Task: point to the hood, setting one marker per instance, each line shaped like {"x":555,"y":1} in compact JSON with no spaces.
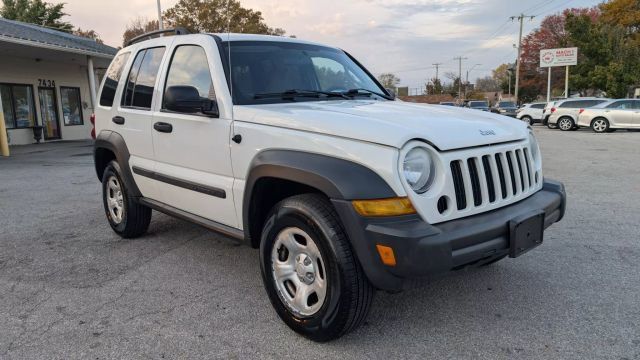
{"x":391,"y":123}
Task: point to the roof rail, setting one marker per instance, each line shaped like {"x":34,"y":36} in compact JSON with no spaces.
{"x":176,"y":31}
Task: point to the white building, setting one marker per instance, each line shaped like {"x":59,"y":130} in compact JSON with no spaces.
{"x":48,"y":78}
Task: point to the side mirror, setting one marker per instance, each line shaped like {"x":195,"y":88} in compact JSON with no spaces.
{"x":391,"y":92}
{"x":186,"y":99}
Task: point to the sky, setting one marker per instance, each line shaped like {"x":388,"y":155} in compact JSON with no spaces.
{"x":404,"y":37}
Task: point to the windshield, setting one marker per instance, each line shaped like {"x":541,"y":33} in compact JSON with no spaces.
{"x":478,"y":104}
{"x":506,"y":104}
{"x":263,"y":70}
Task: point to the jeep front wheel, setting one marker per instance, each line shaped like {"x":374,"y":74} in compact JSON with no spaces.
{"x":311,"y":275}
{"x":127,"y":217}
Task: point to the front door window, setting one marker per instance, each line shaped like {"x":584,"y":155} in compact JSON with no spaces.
{"x":49,"y":110}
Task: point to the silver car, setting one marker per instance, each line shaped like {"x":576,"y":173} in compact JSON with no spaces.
{"x":611,"y":115}
{"x":564,"y":114}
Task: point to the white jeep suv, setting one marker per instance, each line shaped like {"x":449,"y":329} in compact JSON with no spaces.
{"x":294,"y":148}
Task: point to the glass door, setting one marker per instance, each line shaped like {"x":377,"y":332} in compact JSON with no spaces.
{"x":49,"y":110}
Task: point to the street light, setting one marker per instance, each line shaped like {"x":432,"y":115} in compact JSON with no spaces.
{"x":467,"y":81}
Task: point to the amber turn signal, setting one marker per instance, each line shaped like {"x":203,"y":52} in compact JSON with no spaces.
{"x":384,"y":207}
{"x":386,"y":255}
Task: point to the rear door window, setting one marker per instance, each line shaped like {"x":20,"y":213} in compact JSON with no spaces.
{"x":538,"y":106}
{"x":142,"y":78}
{"x":112,"y":78}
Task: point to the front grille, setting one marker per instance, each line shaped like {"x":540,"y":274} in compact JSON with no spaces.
{"x":489,"y":178}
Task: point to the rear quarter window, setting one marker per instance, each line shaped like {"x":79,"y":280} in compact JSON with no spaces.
{"x":112,"y":78}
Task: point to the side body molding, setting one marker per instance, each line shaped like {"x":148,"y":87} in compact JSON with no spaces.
{"x":337,"y":178}
{"x":112,"y":141}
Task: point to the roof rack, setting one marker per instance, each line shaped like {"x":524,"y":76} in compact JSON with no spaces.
{"x":176,"y":31}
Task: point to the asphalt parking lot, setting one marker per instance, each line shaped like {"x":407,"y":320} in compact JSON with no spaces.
{"x":71,"y":288}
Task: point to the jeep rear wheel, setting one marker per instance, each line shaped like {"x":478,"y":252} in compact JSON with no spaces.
{"x":310,"y":273}
{"x":127,"y":217}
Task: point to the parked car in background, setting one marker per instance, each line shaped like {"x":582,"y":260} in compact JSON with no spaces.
{"x":611,"y":115}
{"x":531,"y":113}
{"x":507,"y":108}
{"x":564,"y":114}
{"x":478,"y":105}
{"x":447,"y":103}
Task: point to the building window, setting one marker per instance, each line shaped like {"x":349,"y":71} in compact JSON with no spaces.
{"x":18,"y":105}
{"x":71,"y":106}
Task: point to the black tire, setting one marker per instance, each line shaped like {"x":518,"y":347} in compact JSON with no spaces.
{"x":528,"y":119}
{"x":135,"y":217}
{"x":545,"y":121}
{"x":600,"y":125}
{"x":348,"y":291}
{"x":566,"y":123}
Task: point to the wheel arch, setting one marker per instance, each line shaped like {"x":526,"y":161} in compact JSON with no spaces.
{"x":108,"y":146}
{"x":277,"y":174}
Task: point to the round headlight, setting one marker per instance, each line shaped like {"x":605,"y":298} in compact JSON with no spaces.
{"x":418,"y":169}
{"x":535,"y":148}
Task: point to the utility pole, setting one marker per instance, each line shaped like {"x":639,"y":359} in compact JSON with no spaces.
{"x":520,"y":18}
{"x":460,"y":58}
{"x":437,"y":65}
{"x":160,"y":26}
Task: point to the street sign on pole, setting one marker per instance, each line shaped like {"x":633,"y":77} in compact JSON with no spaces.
{"x":559,"y":57}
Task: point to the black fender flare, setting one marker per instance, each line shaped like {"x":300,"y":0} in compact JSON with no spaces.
{"x":115,"y":143}
{"x":338,"y":179}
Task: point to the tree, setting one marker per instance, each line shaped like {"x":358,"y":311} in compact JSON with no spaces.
{"x":90,"y":34}
{"x":486,"y":84}
{"x":36,"y":12}
{"x":388,"y":80}
{"x":551,"y":34}
{"x":501,"y":76}
{"x":624,"y":13}
{"x":138,"y":26}
{"x":609,"y":58}
{"x":218,"y":16}
{"x":433,"y":87}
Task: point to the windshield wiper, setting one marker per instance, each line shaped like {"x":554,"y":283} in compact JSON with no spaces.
{"x":365,"y":92}
{"x":293,"y":93}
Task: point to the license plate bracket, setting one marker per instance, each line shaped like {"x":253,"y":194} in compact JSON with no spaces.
{"x":526,"y":232}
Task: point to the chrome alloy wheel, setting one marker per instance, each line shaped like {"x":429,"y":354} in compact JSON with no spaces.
{"x":599,"y":125}
{"x":565,"y":124}
{"x":115,"y":202}
{"x":299,"y":272}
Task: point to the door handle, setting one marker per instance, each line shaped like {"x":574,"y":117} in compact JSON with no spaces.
{"x":118,"y":120}
{"x":163,"y":127}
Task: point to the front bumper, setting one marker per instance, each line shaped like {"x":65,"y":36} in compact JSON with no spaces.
{"x":422,"y":249}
